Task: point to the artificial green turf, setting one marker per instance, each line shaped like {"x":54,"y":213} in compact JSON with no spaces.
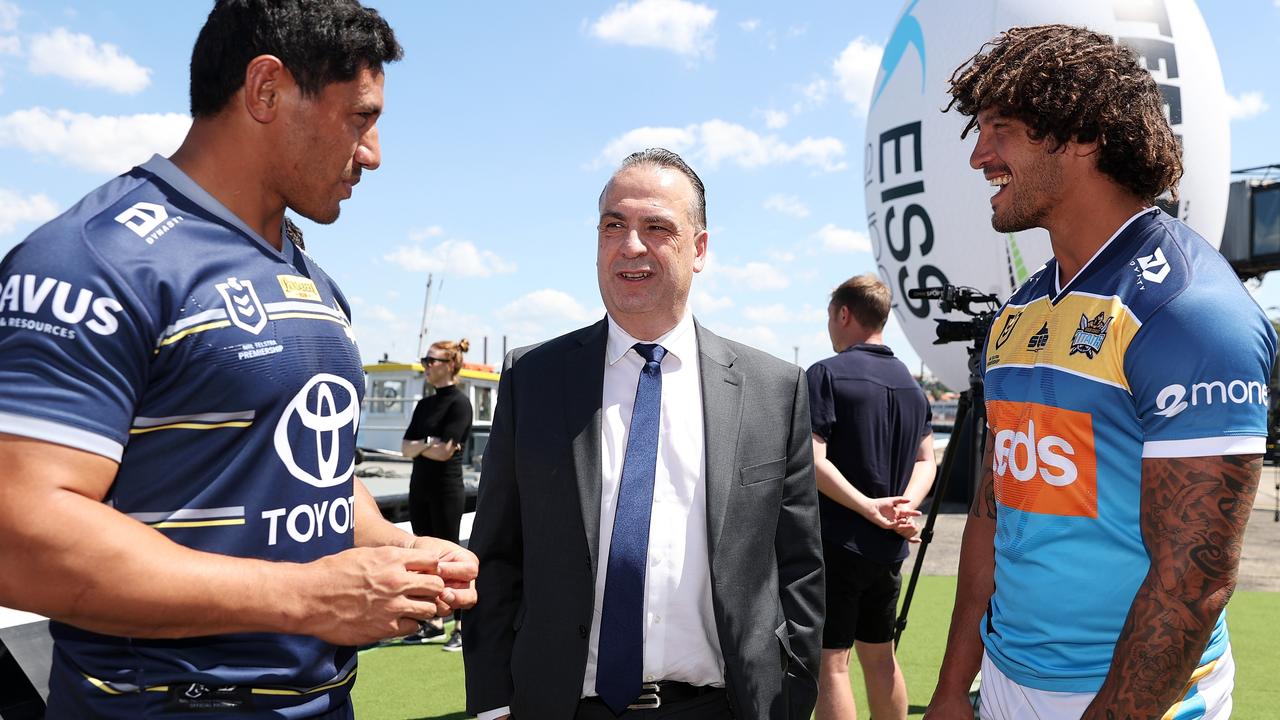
{"x":422,"y":682}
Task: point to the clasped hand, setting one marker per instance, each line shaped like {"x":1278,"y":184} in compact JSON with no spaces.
{"x":364,"y":595}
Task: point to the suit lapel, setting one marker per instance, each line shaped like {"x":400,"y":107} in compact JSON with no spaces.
{"x":582,"y":387}
{"x":721,"y":419}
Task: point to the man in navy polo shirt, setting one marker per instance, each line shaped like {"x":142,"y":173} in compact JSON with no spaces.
{"x":873,"y":453}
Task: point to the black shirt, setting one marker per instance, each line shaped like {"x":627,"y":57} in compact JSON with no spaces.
{"x":445,"y":415}
{"x":873,"y":415}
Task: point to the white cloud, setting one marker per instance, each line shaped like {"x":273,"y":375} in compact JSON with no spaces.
{"x":426,"y":233}
{"x":16,"y":208}
{"x":757,"y":336}
{"x":10,"y":45}
{"x":816,"y":91}
{"x":457,"y":257}
{"x":9,"y":14}
{"x":678,"y":140}
{"x":752,"y":24}
{"x":78,"y":58}
{"x":1246,"y":105}
{"x":775,"y":314}
{"x":775,"y":119}
{"x":543,"y":314}
{"x":676,"y":25}
{"x":384,"y":331}
{"x":780,"y":314}
{"x":838,"y":239}
{"x":855,"y":72}
{"x":787,"y":205}
{"x":716,"y":141}
{"x":754,"y":275}
{"x":704,"y":302}
{"x":100,"y":143}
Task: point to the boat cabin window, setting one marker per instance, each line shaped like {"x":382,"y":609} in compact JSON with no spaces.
{"x":483,"y":404}
{"x":388,"y":396}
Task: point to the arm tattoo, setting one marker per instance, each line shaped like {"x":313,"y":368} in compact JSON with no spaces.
{"x":1193,"y":516}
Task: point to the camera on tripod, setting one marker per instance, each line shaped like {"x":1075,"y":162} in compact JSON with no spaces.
{"x":951,"y":297}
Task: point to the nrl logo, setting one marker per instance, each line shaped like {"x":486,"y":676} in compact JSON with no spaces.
{"x":244,"y":309}
{"x":1089,"y":338}
{"x":1007,"y":330}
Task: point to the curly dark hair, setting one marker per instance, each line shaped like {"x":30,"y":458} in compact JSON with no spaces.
{"x":1071,"y":84}
{"x":320,"y":42}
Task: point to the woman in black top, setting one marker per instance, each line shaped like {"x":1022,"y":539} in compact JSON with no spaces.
{"x":439,"y":428}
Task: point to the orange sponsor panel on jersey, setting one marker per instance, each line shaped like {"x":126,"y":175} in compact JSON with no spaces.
{"x":1043,"y":458}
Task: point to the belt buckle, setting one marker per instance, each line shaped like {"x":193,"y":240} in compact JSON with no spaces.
{"x":649,"y":699}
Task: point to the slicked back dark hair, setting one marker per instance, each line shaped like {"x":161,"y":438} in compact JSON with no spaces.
{"x":320,"y":42}
{"x":1071,"y":84}
{"x":663,"y":158}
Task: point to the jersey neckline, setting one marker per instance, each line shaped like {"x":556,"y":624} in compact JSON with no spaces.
{"x":171,"y":174}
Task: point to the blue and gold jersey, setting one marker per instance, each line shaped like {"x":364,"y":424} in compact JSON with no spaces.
{"x":149,"y":325}
{"x":1154,"y":349}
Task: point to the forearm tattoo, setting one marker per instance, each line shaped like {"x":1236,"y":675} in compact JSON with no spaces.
{"x":1194,"y":512}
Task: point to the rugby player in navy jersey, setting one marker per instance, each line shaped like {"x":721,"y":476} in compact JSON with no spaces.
{"x":179,"y":394}
{"x":1126,"y":396}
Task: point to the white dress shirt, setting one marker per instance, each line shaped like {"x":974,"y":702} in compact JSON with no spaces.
{"x":680,"y":640}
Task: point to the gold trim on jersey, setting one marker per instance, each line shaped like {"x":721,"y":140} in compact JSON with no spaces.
{"x":1083,"y":334}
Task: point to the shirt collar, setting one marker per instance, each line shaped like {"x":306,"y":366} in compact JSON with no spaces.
{"x":1057,"y":269}
{"x":680,"y":340}
{"x":164,"y":169}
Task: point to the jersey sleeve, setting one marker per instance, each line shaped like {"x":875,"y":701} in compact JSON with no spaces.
{"x":75,"y":346}
{"x":1199,"y":372}
{"x":822,"y":406}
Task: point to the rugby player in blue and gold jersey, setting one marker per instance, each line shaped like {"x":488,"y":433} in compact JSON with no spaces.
{"x":1126,"y":394}
{"x":179,"y":394}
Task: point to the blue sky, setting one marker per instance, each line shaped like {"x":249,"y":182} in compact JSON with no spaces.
{"x":504,"y":121}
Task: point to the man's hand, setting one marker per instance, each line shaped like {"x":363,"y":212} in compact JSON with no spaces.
{"x":949,"y":707}
{"x":889,"y":513}
{"x":364,"y":595}
{"x":458,"y":568}
{"x":908,"y":529}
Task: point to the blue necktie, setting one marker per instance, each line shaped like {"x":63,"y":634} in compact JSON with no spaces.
{"x":620,"y":661}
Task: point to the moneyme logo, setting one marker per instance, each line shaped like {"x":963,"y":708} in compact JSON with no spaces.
{"x":1173,"y":399}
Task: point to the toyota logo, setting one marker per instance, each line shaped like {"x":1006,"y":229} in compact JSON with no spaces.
{"x":328,"y":407}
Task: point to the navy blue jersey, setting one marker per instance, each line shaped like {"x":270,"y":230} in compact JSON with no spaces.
{"x":149,"y":325}
{"x":873,"y":416}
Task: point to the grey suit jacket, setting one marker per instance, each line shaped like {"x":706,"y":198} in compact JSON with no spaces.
{"x":537,"y":522}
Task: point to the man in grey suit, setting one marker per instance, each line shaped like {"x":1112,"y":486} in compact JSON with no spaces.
{"x":647,"y":523}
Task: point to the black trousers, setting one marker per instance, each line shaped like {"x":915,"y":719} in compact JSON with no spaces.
{"x":436,"y":498}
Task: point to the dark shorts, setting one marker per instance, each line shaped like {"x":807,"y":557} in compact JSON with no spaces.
{"x":862,"y":599}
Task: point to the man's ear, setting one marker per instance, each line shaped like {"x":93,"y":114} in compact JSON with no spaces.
{"x":265,"y":78}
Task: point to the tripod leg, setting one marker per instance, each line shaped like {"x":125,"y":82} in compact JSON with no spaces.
{"x":963,"y":413}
